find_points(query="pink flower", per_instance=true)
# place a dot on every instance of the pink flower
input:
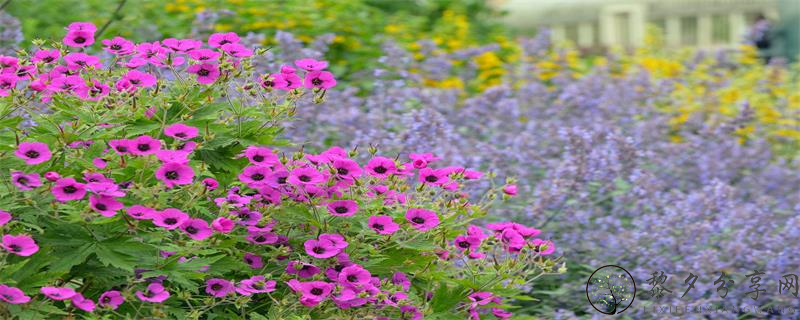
(176, 156)
(309, 64)
(287, 81)
(33, 152)
(5, 217)
(510, 189)
(383, 224)
(82, 303)
(104, 205)
(111, 299)
(79, 38)
(122, 147)
(422, 219)
(170, 219)
(52, 176)
(174, 173)
(140, 79)
(261, 156)
(79, 60)
(206, 73)
(218, 40)
(13, 295)
(46, 56)
(26, 181)
(236, 50)
(302, 269)
(144, 145)
(155, 293)
(140, 212)
(305, 177)
(254, 176)
(381, 167)
(346, 168)
(254, 261)
(118, 46)
(255, 284)
(319, 79)
(204, 55)
(354, 276)
(181, 131)
(210, 184)
(57, 293)
(182, 46)
(82, 26)
(342, 208)
(467, 242)
(197, 229)
(312, 292)
(321, 249)
(67, 189)
(543, 247)
(287, 69)
(219, 287)
(222, 225)
(435, 177)
(20, 245)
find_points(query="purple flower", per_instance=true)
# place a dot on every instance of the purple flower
(206, 73)
(319, 79)
(253, 260)
(181, 131)
(82, 303)
(111, 299)
(309, 64)
(422, 219)
(57, 293)
(305, 177)
(145, 145)
(25, 181)
(219, 287)
(255, 284)
(197, 229)
(155, 293)
(20, 245)
(13, 295)
(141, 212)
(302, 269)
(174, 173)
(342, 208)
(33, 152)
(67, 189)
(105, 205)
(170, 219)
(222, 225)
(5, 217)
(354, 276)
(321, 249)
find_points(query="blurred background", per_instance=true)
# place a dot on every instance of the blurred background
(651, 134)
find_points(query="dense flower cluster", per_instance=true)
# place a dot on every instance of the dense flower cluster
(137, 192)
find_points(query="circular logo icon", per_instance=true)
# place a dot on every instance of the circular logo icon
(611, 289)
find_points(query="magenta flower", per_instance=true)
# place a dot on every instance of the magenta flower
(319, 79)
(181, 131)
(337, 240)
(381, 167)
(254, 261)
(118, 46)
(305, 177)
(52, 176)
(313, 292)
(255, 176)
(222, 225)
(33, 152)
(206, 73)
(383, 224)
(302, 269)
(354, 276)
(26, 181)
(105, 205)
(80, 60)
(261, 156)
(346, 168)
(82, 26)
(144, 145)
(174, 173)
(261, 237)
(435, 177)
(140, 79)
(140, 212)
(155, 293)
(422, 219)
(13, 295)
(170, 219)
(182, 46)
(287, 81)
(543, 247)
(57, 293)
(218, 40)
(236, 50)
(176, 156)
(122, 147)
(204, 55)
(510, 189)
(210, 184)
(342, 208)
(256, 284)
(309, 64)
(5, 217)
(219, 287)
(82, 303)
(111, 299)
(67, 189)
(467, 242)
(197, 229)
(321, 249)
(46, 56)
(20, 245)
(79, 38)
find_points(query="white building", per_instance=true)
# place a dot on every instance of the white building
(604, 23)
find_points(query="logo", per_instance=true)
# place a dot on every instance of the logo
(611, 289)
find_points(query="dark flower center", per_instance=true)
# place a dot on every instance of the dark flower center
(463, 244)
(223, 42)
(101, 207)
(304, 178)
(23, 181)
(33, 154)
(342, 171)
(318, 250)
(203, 72)
(268, 83)
(170, 221)
(341, 209)
(216, 286)
(282, 180)
(180, 135)
(70, 189)
(143, 146)
(106, 299)
(431, 179)
(418, 220)
(15, 248)
(136, 81)
(316, 291)
(380, 169)
(248, 260)
(122, 148)
(115, 47)
(172, 175)
(191, 230)
(260, 239)
(79, 40)
(257, 177)
(352, 278)
(378, 227)
(258, 158)
(316, 81)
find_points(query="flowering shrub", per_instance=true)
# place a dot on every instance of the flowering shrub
(142, 182)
